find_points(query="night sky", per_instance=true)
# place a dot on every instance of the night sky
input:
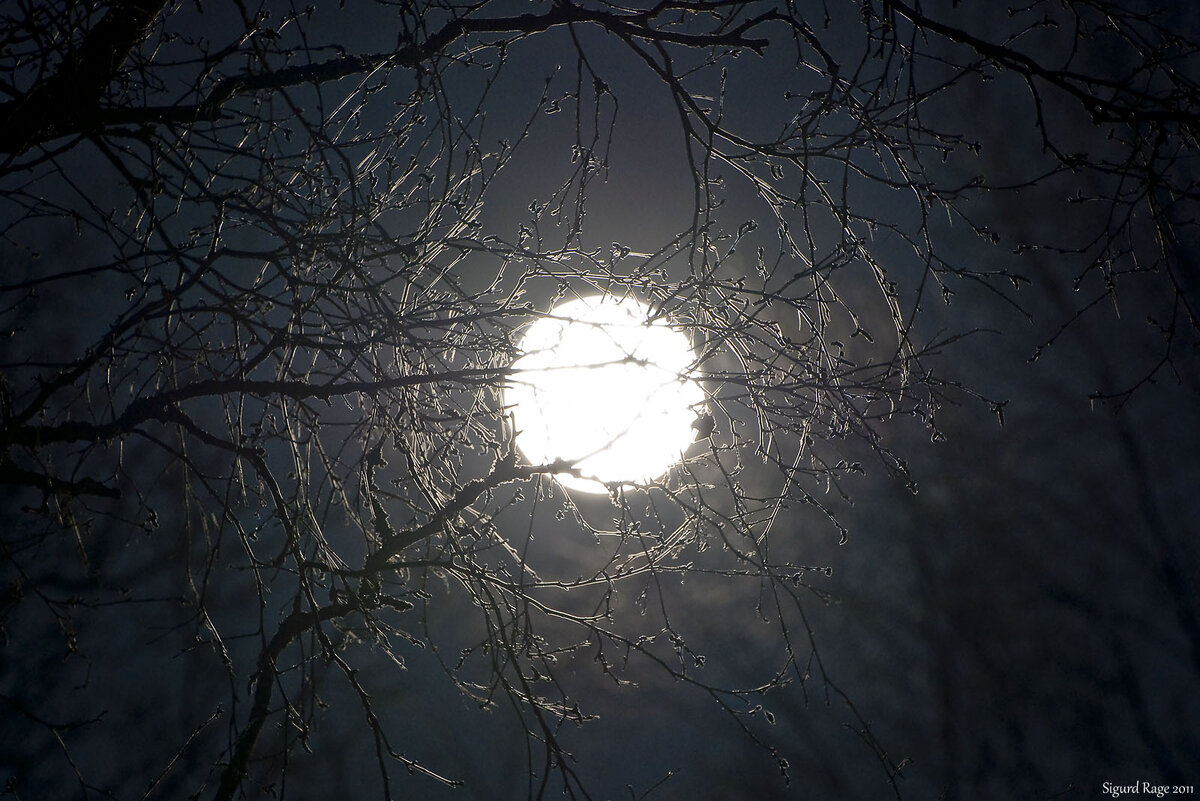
(993, 570)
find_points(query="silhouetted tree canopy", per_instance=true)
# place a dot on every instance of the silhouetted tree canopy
(265, 269)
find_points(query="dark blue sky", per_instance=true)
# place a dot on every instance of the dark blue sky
(977, 579)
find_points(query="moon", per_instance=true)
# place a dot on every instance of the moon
(603, 386)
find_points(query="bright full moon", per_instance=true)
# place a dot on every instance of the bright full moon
(601, 385)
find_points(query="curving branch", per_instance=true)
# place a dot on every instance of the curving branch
(296, 624)
(1123, 103)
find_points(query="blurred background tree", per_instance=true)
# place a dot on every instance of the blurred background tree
(265, 529)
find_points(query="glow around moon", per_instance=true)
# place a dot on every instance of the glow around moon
(600, 385)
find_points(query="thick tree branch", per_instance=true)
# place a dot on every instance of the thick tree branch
(19, 133)
(160, 405)
(12, 475)
(505, 469)
(264, 684)
(69, 101)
